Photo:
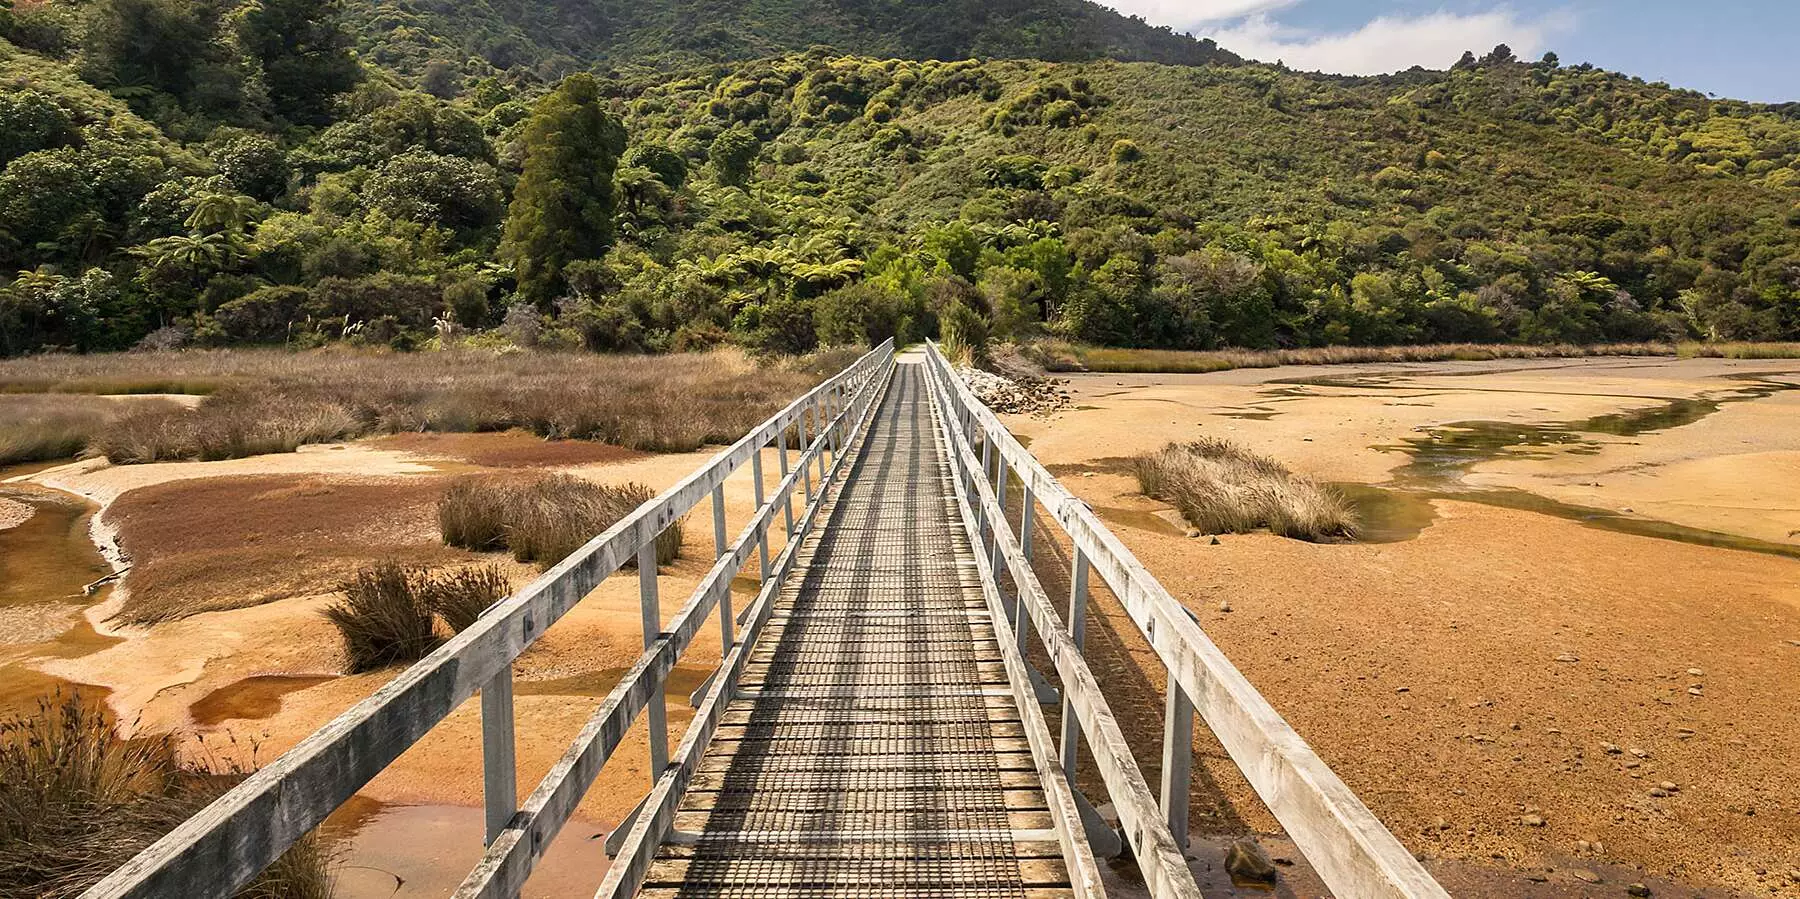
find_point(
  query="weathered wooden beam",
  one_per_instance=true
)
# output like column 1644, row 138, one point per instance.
column 499, row 776
column 1349, row 847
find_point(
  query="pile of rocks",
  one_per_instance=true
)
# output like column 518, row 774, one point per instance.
column 1034, row 396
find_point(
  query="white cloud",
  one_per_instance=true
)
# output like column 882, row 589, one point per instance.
column 1389, row 43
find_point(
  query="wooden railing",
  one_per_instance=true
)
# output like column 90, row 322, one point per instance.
column 230, row 841
column 1345, row 843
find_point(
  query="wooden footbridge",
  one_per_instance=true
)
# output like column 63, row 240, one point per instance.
column 877, row 725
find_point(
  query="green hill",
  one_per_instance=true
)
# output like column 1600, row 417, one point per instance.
column 208, row 194
column 564, row 35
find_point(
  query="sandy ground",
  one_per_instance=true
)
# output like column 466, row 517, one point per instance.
column 1426, row 671
column 275, row 660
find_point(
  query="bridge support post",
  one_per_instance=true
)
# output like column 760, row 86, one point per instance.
column 652, row 618
column 499, row 776
column 1071, row 727
column 762, row 536
column 787, row 496
column 1178, row 760
column 726, row 636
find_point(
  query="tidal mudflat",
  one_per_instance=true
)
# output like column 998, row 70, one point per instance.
column 1567, row 643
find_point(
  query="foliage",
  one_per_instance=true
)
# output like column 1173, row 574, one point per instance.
column 542, row 519
column 383, row 619
column 563, row 207
column 810, row 199
column 77, row 801
column 1222, row 488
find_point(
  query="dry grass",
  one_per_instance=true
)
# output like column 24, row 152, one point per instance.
column 383, row 619
column 1059, row 356
column 542, row 519
column 42, row 428
column 207, row 544
column 272, row 400
column 460, row 596
column 1222, row 488
column 76, row 801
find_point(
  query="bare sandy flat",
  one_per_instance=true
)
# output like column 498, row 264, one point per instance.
column 1505, row 662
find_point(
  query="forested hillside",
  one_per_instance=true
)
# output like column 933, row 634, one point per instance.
column 185, row 171
column 559, row 36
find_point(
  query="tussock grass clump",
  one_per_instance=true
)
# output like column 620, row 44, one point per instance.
column 382, row 618
column 42, row 428
column 1222, row 488
column 229, row 425
column 460, row 596
column 76, row 801
column 542, row 519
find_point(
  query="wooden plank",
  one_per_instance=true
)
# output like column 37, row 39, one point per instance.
column 893, row 874
column 699, row 822
column 1350, row 848
column 851, row 891
column 1023, row 849
column 1022, row 800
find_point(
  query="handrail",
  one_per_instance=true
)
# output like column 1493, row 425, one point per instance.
column 1166, row 874
column 639, row 849
column 1346, row 844
column 232, row 839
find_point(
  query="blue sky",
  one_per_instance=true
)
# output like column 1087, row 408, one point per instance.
column 1748, row 49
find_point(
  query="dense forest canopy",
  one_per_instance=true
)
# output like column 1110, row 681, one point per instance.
column 300, row 171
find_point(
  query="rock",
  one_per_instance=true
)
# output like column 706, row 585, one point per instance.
column 1225, row 606
column 1637, row 889
column 1215, row 541
column 1695, row 672
column 1611, row 748
column 1193, row 532
column 1585, row 876
column 1668, row 785
column 1402, row 689
column 1568, row 657
column 1696, row 691
column 1658, row 792
column 1532, row 820
column 1247, row 861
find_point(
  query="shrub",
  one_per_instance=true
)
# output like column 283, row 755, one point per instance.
column 459, row 597
column 76, row 801
column 232, row 424
column 1126, row 151
column 1222, row 488
column 542, row 519
column 382, row 619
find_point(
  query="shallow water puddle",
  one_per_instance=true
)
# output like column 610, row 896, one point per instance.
column 1442, row 457
column 251, row 699
column 400, row 851
column 45, row 561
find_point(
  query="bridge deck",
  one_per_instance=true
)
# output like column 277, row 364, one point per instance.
column 873, row 748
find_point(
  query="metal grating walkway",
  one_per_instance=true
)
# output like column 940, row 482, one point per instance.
column 873, row 748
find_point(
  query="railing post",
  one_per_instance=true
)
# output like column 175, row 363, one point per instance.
column 1025, row 515
column 726, row 636
column 1178, row 760
column 652, row 617
column 499, row 776
column 1078, row 597
column 762, row 534
column 787, row 496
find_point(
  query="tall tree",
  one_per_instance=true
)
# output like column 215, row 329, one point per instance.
column 562, row 210
column 305, row 55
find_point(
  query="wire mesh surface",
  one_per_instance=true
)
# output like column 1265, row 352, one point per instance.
column 873, row 749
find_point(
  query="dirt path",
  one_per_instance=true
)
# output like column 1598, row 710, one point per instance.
column 1479, row 676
